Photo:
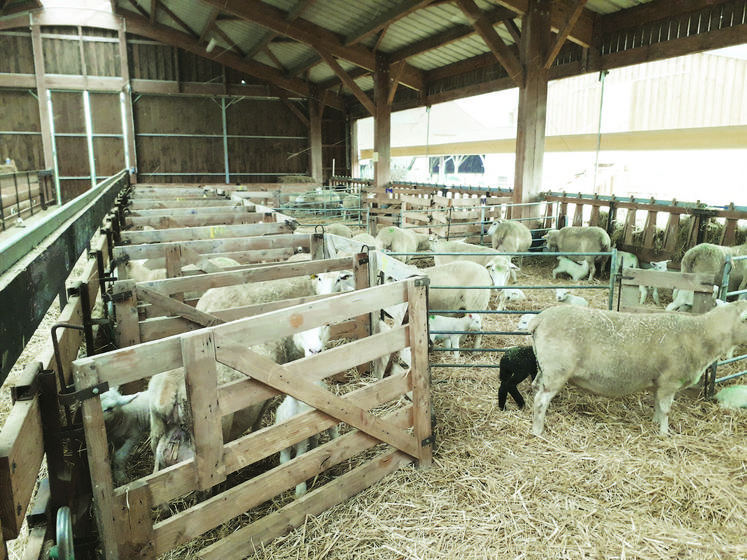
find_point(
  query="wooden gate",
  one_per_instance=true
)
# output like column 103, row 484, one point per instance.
column 124, row 513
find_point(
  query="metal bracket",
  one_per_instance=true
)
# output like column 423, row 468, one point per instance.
column 67, row 399
column 424, row 281
column 121, row 296
column 430, row 440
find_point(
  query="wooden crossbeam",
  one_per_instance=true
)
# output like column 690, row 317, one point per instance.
column 348, row 81
column 501, row 51
column 238, row 357
column 564, row 32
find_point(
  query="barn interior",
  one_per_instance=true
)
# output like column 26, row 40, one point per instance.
column 193, row 130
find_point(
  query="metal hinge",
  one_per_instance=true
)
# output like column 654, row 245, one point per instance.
column 68, row 399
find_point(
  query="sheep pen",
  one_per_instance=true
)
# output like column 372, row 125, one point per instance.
column 604, row 485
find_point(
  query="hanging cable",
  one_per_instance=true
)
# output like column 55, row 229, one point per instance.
column 602, row 75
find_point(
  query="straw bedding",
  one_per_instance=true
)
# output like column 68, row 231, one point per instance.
column 601, row 483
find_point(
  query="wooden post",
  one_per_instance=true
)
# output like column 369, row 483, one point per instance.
column 127, row 329
column 316, row 160
column 128, row 127
column 530, row 130
column 174, row 266
column 98, row 462
column 417, row 297
column 45, row 119
column 198, row 355
column 317, row 246
column 134, row 522
column 382, row 125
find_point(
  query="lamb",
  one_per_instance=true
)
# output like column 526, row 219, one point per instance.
column 170, row 415
column 573, row 239
column 564, row 296
column 510, row 294
column 463, row 273
column 469, row 322
column 291, row 407
column 517, row 363
column 710, row 259
column 510, row 236
column 601, row 352
column 524, row 321
column 351, row 206
column 339, row 229
column 127, row 420
column 137, row 271
column 366, row 239
column 572, row 268
column 660, row 266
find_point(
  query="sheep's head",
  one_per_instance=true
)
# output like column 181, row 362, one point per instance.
column 333, row 282
column 552, row 240
column 494, row 226
column 312, row 341
column 112, row 399
column 561, row 294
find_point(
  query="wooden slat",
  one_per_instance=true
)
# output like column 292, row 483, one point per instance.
column 252, row 537
column 165, row 222
column 158, row 250
column 153, row 204
column 180, row 479
column 198, row 355
column 147, row 359
column 204, row 232
column 279, row 378
column 21, row 453
column 202, row 211
column 98, row 460
column 233, row 502
column 162, row 300
column 134, row 524
column 126, row 331
column 421, row 386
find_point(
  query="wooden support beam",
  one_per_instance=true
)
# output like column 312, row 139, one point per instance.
column 403, row 9
column 316, row 161
column 319, row 38
column 273, row 58
column 395, row 82
column 209, row 24
column 348, row 81
column 382, row 125
column 530, row 132
column 153, row 11
column 140, row 26
column 502, row 52
column 564, row 32
column 129, row 125
column 292, row 107
column 45, row 119
column 178, row 20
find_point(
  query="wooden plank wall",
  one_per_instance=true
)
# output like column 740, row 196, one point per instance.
column 19, row 114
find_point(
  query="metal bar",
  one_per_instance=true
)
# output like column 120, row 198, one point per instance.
column 225, row 138
column 18, row 198
column 729, row 377
column 245, row 136
column 31, row 200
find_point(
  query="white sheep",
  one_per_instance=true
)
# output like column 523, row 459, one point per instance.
column 463, row 273
column 366, row 239
column 469, row 322
column 351, row 206
column 510, row 295
column 275, row 290
column 710, row 259
column 615, row 354
column 660, row 266
column 127, row 420
column 487, row 257
column 510, row 236
column 564, row 296
column 339, row 229
column 573, row 239
column 397, row 240
column 170, row 406
column 572, row 268
column 524, row 321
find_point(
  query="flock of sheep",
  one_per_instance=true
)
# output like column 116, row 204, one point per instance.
column 600, row 351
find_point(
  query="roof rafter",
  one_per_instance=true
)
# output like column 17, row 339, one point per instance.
column 583, row 30
column 140, row 25
column 270, row 36
column 153, row 10
column 449, row 35
column 179, row 21
column 313, row 35
column 505, row 56
column 652, row 11
column 7, row 9
column 209, row 24
column 349, row 82
column 385, row 19
column 564, row 32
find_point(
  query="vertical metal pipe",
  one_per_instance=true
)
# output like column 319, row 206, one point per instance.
column 89, row 136
column 613, row 276
column 58, row 192
column 18, row 197
column 31, row 199
column 225, row 138
column 602, row 75
column 2, row 211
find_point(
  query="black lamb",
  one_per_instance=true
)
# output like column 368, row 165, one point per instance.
column 517, row 363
